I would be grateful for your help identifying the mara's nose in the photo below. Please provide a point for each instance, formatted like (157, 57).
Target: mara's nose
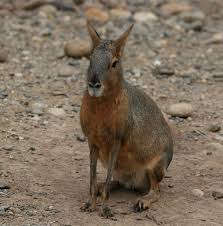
(95, 85)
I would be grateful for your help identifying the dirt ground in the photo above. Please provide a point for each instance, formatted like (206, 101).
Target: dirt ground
(43, 154)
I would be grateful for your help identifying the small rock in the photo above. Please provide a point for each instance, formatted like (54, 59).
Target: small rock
(161, 71)
(4, 185)
(136, 72)
(97, 14)
(81, 138)
(77, 48)
(196, 26)
(37, 108)
(218, 76)
(157, 63)
(110, 3)
(3, 210)
(174, 8)
(119, 14)
(217, 194)
(182, 110)
(190, 17)
(78, 2)
(8, 148)
(46, 32)
(198, 192)
(76, 109)
(18, 75)
(216, 39)
(66, 71)
(47, 11)
(144, 17)
(3, 56)
(59, 112)
(214, 128)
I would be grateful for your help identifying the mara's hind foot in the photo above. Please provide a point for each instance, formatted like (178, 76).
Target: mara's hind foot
(154, 176)
(113, 186)
(145, 202)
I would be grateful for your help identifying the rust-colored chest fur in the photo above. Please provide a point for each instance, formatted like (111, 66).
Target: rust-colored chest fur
(104, 120)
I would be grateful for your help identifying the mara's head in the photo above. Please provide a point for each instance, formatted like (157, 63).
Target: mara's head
(105, 70)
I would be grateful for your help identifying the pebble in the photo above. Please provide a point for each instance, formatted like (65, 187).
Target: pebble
(3, 56)
(182, 110)
(144, 17)
(3, 210)
(161, 71)
(78, 2)
(81, 137)
(136, 72)
(65, 71)
(190, 17)
(174, 8)
(37, 108)
(196, 26)
(59, 112)
(217, 194)
(46, 32)
(216, 39)
(77, 48)
(97, 14)
(8, 148)
(218, 76)
(47, 11)
(214, 128)
(198, 192)
(18, 75)
(120, 14)
(4, 185)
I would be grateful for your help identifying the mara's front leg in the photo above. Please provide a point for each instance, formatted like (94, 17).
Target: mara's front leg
(90, 205)
(113, 154)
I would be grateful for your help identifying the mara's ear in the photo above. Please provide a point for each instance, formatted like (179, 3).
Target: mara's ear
(93, 34)
(120, 42)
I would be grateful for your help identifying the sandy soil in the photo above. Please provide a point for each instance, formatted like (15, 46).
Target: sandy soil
(41, 156)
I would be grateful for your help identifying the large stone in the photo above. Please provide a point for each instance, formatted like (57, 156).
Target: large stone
(118, 14)
(174, 8)
(144, 17)
(97, 14)
(77, 48)
(183, 110)
(59, 112)
(65, 71)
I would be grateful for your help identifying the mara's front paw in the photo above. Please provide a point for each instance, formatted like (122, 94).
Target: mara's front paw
(140, 206)
(87, 207)
(106, 212)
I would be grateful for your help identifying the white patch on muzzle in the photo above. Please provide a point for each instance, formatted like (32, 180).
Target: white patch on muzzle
(96, 92)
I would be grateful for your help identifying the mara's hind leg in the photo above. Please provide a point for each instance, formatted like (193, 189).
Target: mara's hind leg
(113, 186)
(154, 176)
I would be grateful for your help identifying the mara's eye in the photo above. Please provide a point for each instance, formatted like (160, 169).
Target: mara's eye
(114, 63)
